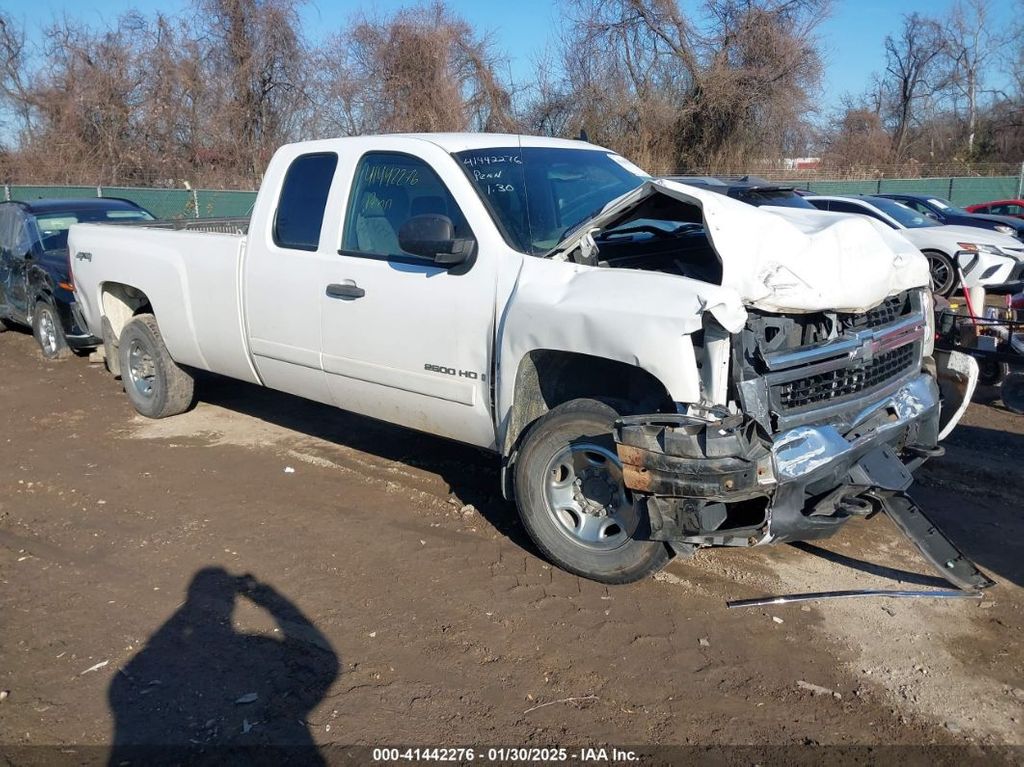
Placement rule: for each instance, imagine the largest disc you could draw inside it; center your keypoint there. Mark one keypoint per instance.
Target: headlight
(928, 304)
(1004, 229)
(974, 247)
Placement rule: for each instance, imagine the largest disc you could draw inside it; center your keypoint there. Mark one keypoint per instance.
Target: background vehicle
(749, 189)
(945, 212)
(1013, 208)
(35, 283)
(660, 367)
(999, 258)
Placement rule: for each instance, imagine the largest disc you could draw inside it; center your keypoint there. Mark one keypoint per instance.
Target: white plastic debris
(289, 470)
(249, 697)
(817, 689)
(97, 667)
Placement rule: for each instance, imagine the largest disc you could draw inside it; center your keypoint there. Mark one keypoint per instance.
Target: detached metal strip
(818, 595)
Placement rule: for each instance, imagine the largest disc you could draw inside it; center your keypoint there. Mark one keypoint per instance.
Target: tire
(942, 271)
(1012, 392)
(48, 332)
(154, 383)
(992, 373)
(568, 489)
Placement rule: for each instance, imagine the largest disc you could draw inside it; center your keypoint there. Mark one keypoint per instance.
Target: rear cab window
(303, 200)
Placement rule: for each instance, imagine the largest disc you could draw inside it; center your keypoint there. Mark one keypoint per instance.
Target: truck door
(404, 339)
(15, 253)
(282, 277)
(6, 215)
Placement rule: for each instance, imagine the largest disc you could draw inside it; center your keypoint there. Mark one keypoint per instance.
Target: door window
(8, 222)
(389, 189)
(300, 209)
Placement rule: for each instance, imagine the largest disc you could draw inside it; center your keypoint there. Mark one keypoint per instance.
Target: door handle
(346, 290)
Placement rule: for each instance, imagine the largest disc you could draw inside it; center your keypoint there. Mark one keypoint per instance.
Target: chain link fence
(224, 203)
(162, 203)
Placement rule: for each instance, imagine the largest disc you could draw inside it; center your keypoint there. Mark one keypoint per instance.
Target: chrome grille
(835, 385)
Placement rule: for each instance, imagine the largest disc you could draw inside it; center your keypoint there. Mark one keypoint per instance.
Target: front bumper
(727, 482)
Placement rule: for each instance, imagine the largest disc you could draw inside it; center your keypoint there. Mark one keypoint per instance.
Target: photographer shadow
(201, 688)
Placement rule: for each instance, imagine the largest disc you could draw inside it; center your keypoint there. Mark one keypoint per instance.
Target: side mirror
(433, 236)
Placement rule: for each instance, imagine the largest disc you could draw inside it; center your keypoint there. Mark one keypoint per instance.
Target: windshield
(947, 207)
(54, 226)
(537, 195)
(783, 198)
(910, 218)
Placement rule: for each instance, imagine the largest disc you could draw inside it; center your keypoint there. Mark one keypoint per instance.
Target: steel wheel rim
(586, 498)
(941, 274)
(47, 332)
(141, 369)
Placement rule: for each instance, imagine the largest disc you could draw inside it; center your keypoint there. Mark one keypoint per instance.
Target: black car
(945, 212)
(749, 189)
(35, 275)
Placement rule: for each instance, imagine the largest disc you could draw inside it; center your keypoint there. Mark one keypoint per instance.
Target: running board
(935, 547)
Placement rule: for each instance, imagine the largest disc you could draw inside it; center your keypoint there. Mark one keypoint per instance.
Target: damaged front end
(834, 413)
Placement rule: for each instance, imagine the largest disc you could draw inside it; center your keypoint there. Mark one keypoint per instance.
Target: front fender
(644, 319)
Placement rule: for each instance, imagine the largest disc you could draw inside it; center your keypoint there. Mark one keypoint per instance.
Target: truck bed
(190, 270)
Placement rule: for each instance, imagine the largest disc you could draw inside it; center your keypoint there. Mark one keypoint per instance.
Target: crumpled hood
(787, 259)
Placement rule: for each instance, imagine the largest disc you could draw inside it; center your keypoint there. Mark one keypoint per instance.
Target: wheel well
(121, 303)
(547, 378)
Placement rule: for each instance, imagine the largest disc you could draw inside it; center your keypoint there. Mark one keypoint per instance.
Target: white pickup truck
(662, 368)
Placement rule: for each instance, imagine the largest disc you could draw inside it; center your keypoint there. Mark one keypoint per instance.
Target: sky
(852, 37)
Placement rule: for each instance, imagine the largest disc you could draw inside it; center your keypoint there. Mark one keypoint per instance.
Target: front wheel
(156, 386)
(572, 500)
(943, 272)
(49, 333)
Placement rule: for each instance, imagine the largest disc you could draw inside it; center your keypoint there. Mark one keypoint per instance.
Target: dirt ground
(393, 599)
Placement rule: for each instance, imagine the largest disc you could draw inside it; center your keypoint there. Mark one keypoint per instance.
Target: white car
(987, 258)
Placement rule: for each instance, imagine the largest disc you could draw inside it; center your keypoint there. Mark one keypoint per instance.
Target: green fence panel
(50, 192)
(220, 203)
(968, 191)
(162, 203)
(843, 187)
(933, 187)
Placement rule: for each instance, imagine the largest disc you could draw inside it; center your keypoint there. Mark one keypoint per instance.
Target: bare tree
(422, 69)
(972, 45)
(911, 76)
(14, 89)
(671, 93)
(857, 139)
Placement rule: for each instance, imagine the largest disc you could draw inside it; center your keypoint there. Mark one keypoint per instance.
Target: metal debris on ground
(820, 595)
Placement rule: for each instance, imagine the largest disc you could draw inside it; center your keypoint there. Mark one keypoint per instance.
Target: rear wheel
(572, 500)
(49, 333)
(943, 272)
(155, 384)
